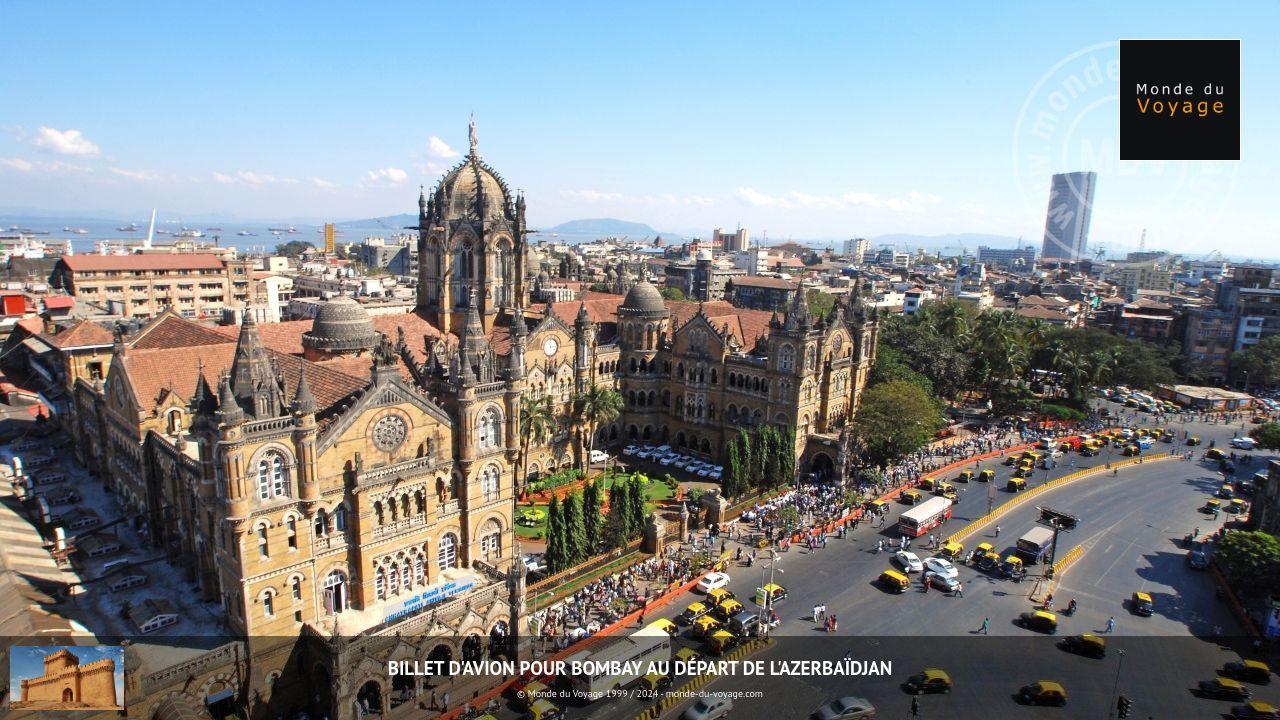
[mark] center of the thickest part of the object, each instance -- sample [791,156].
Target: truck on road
[1035,544]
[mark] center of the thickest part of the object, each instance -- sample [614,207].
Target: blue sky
[805,121]
[27,661]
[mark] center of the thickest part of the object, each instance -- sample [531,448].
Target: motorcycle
[1071,609]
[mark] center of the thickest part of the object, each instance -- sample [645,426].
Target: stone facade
[68,684]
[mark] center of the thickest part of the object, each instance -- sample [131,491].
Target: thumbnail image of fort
[68,685]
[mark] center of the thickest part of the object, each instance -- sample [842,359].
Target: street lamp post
[1115,689]
[767,605]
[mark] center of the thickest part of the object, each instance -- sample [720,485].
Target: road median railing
[1027,495]
[694,683]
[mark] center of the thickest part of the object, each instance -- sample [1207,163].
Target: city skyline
[840,122]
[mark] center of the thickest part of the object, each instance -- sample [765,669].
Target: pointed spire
[203,399]
[304,403]
[422,201]
[518,327]
[254,379]
[583,318]
[474,326]
[798,317]
[229,411]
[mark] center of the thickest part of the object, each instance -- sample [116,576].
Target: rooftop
[171,261]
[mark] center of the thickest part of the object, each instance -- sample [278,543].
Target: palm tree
[949,319]
[597,405]
[537,423]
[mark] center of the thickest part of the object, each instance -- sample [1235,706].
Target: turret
[229,412]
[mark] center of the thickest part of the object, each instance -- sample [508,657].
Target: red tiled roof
[150,261]
[1040,312]
[762,281]
[83,334]
[601,308]
[285,337]
[169,330]
[33,325]
[744,325]
[59,302]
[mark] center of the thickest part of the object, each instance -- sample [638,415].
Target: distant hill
[602,226]
[394,221]
[970,241]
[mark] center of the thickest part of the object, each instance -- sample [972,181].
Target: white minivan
[599,456]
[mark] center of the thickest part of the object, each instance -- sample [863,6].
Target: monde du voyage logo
[1179,99]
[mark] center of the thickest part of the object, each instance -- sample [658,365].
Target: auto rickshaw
[912,497]
[703,626]
[717,596]
[987,475]
[1087,644]
[695,611]
[544,710]
[1012,567]
[666,626]
[728,609]
[1193,441]
[654,682]
[1132,450]
[721,641]
[952,550]
[1212,506]
[964,476]
[1238,507]
[926,484]
[1142,604]
[989,562]
[1015,485]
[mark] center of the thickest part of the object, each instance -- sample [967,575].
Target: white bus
[924,517]
[648,644]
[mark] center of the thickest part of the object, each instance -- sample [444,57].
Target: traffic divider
[694,683]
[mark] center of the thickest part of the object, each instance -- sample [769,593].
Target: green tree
[1259,364]
[293,248]
[746,457]
[773,458]
[820,303]
[596,406]
[787,457]
[1267,435]
[537,423]
[617,530]
[730,479]
[557,558]
[895,419]
[1250,561]
[673,293]
[591,517]
[575,529]
[889,365]
[635,508]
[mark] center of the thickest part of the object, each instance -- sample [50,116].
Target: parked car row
[665,456]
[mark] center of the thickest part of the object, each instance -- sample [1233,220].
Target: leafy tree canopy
[895,419]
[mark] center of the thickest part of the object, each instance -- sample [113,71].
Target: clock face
[389,432]
[550,346]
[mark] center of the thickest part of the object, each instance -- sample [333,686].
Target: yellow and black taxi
[1237,506]
[1045,692]
[544,710]
[717,596]
[987,475]
[926,484]
[1255,711]
[1142,604]
[1017,483]
[687,655]
[1167,436]
[703,626]
[1211,506]
[964,476]
[654,682]
[720,642]
[929,680]
[894,581]
[1251,671]
[770,594]
[948,491]
[951,550]
[989,561]
[1214,454]
[1041,621]
[1221,688]
[1225,491]
[1193,441]
[876,507]
[728,609]
[695,611]
[1086,644]
[1132,450]
[1012,460]
[531,693]
[666,626]
[911,497]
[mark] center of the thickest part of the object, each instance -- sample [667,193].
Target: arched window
[263,549]
[465,262]
[489,429]
[380,584]
[393,580]
[175,421]
[322,523]
[810,357]
[418,570]
[713,376]
[786,358]
[489,483]
[491,540]
[447,554]
[296,586]
[335,591]
[269,603]
[291,532]
[406,573]
[340,518]
[273,482]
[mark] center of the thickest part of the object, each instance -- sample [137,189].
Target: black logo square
[1179,99]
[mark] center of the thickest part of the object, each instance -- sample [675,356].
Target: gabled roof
[83,334]
[170,330]
[745,326]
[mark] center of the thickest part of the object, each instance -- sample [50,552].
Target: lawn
[655,491]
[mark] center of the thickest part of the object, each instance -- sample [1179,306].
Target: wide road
[1131,528]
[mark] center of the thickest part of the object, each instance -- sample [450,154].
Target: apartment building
[143,285]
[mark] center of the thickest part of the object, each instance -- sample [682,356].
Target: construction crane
[1100,253]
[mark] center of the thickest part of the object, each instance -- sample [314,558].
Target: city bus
[924,517]
[648,644]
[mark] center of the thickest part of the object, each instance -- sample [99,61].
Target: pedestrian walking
[959,589]
[434,705]
[816,609]
[986,625]
[444,702]
[1111,624]
[822,612]
[997,531]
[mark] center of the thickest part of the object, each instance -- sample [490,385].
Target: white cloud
[136,174]
[590,196]
[390,175]
[617,198]
[16,164]
[65,142]
[796,200]
[259,179]
[224,179]
[438,148]
[431,169]
[322,184]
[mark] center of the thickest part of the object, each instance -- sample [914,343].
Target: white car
[680,461]
[630,450]
[709,708]
[846,708]
[706,471]
[599,456]
[909,561]
[695,466]
[1243,443]
[664,449]
[644,453]
[713,581]
[668,459]
[941,566]
[715,474]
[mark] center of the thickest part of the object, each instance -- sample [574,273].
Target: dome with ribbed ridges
[341,326]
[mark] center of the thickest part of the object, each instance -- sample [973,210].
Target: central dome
[341,326]
[644,297]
